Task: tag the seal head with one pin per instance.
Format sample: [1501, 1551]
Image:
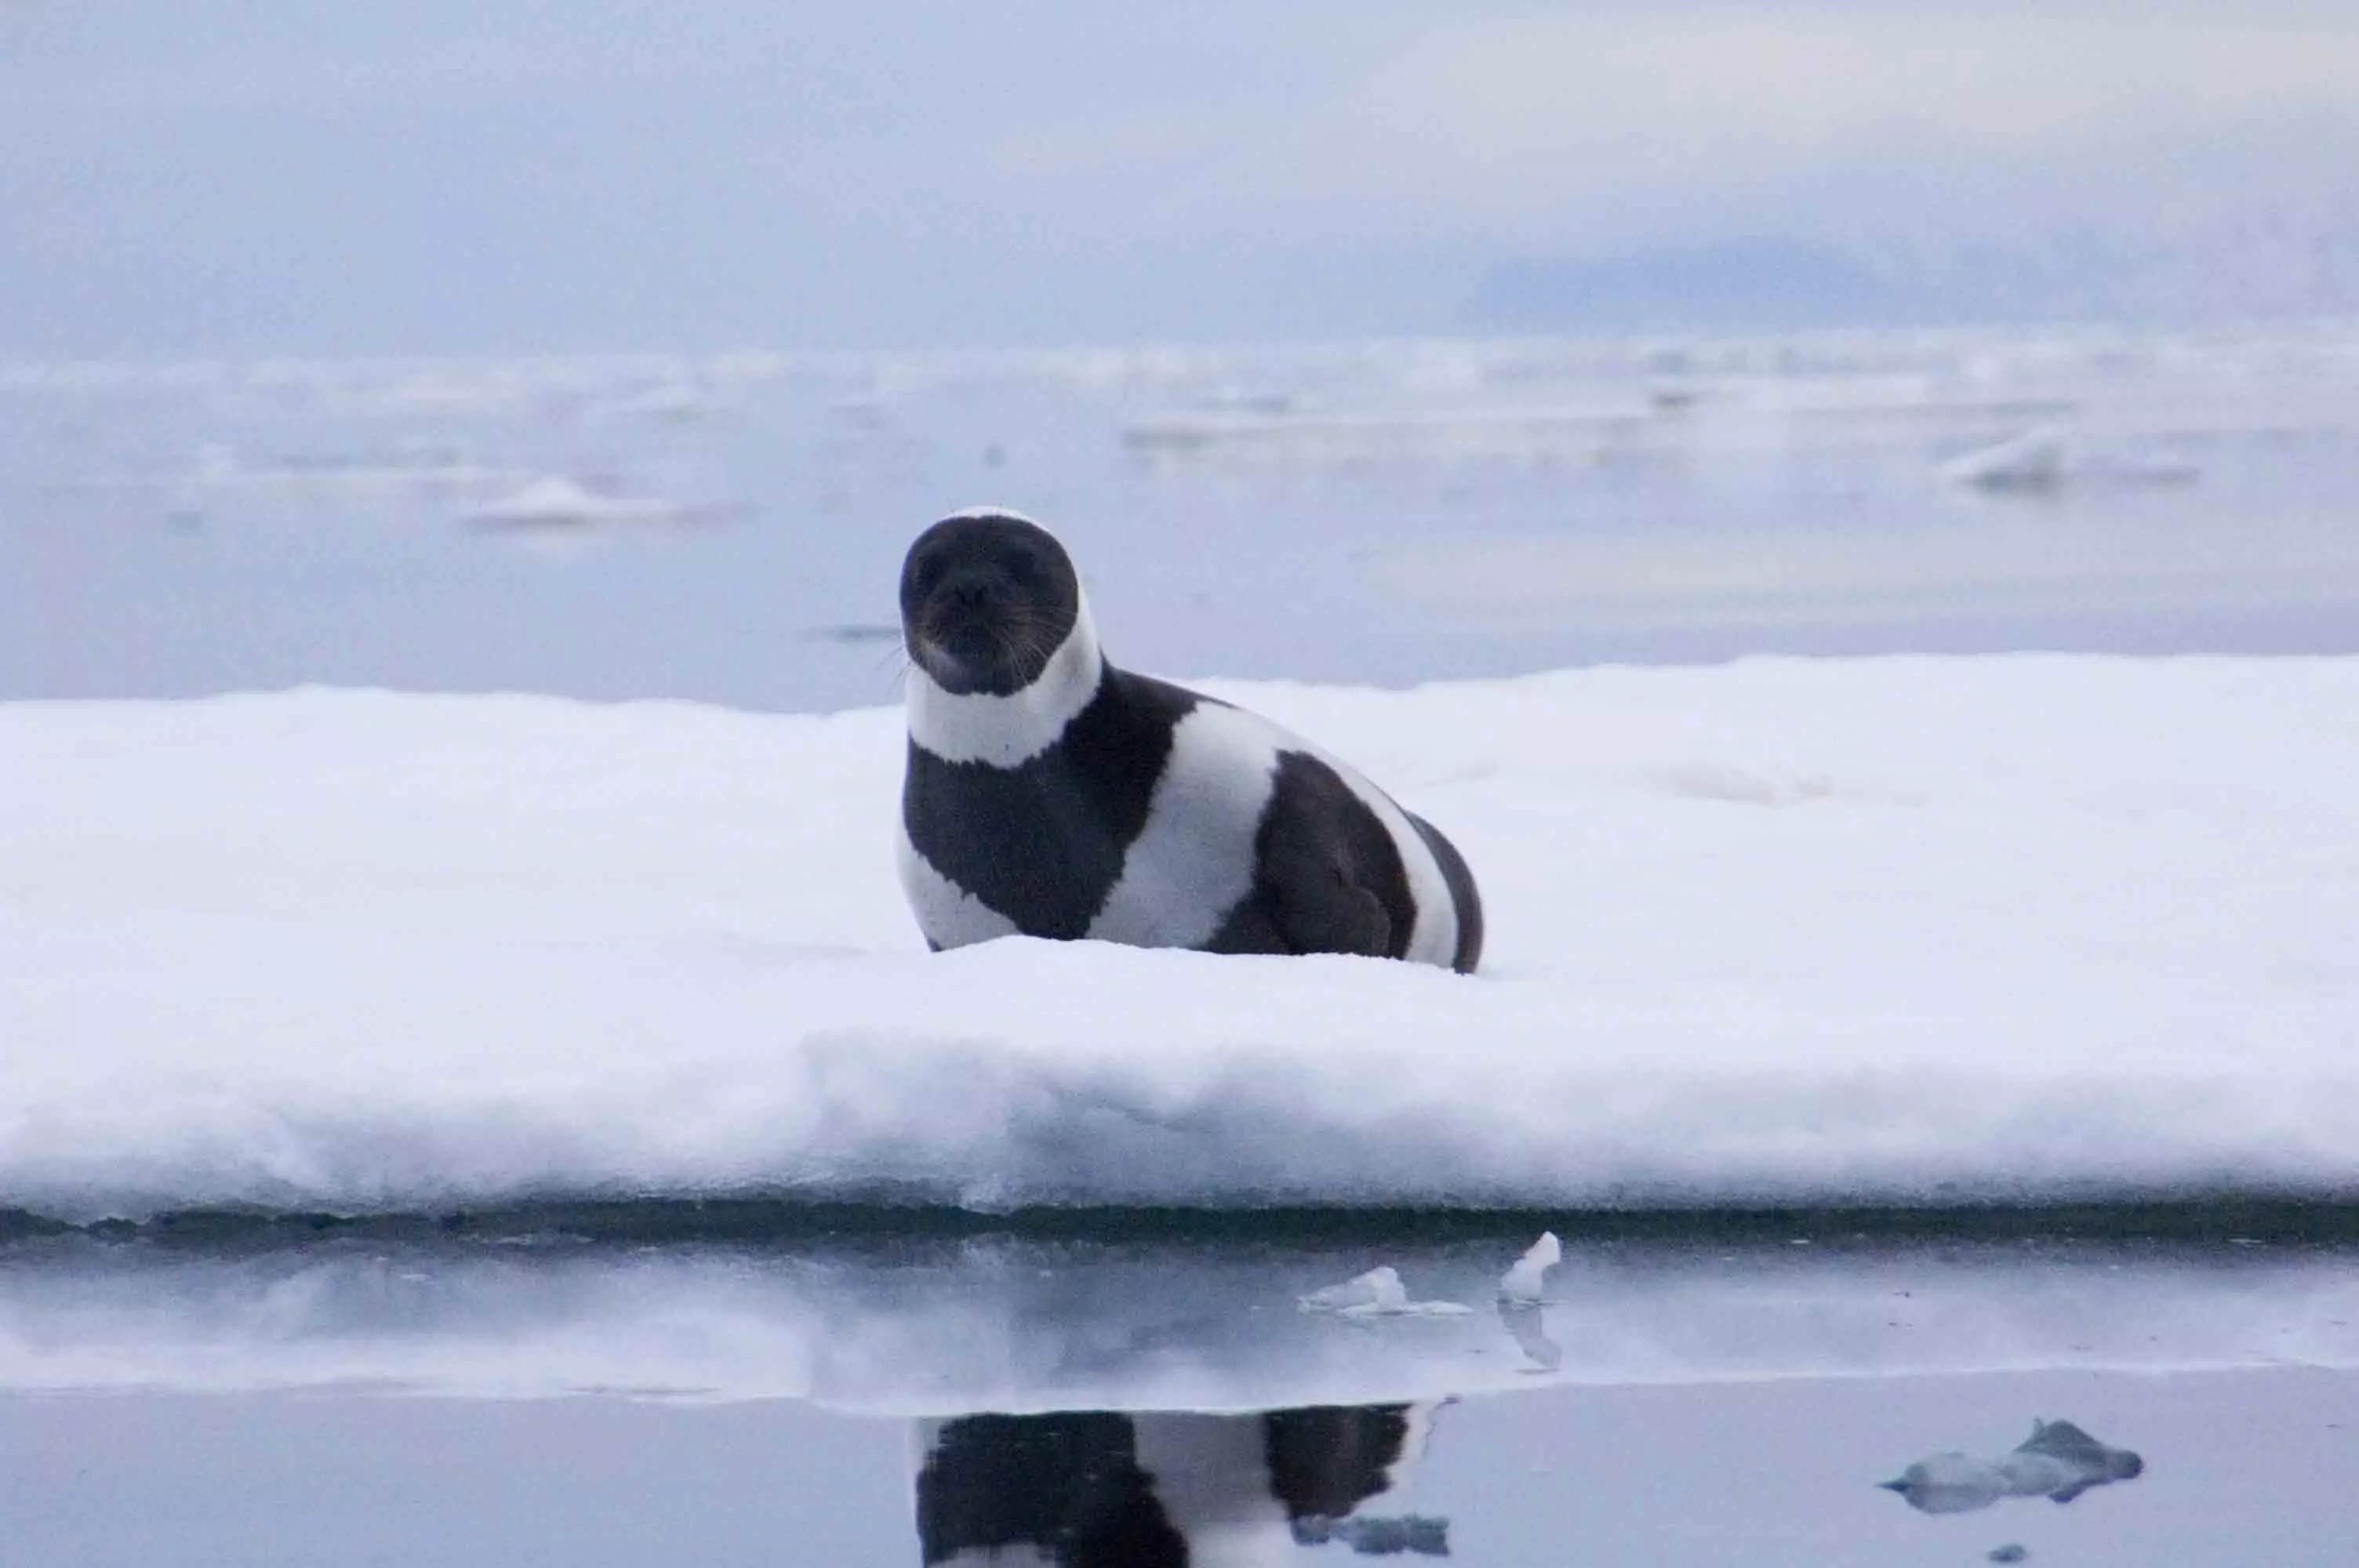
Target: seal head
[986, 599]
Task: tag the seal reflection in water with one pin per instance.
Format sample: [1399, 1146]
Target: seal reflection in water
[1088, 1487]
[1049, 794]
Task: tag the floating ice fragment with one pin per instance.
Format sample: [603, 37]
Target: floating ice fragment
[2057, 1461]
[2035, 460]
[1377, 1294]
[1378, 1286]
[1522, 1282]
[1421, 1534]
[557, 501]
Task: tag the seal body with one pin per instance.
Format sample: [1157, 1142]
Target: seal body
[1049, 794]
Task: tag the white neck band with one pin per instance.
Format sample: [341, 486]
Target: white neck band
[1007, 732]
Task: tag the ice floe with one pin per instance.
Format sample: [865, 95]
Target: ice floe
[1900, 931]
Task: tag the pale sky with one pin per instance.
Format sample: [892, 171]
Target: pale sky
[212, 177]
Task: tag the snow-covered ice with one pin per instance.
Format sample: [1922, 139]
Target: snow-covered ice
[1902, 930]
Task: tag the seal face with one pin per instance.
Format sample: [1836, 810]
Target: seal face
[1051, 794]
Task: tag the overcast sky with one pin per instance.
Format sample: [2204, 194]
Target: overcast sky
[205, 175]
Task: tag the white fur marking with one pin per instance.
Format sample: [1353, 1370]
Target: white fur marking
[1007, 732]
[1195, 858]
[1193, 861]
[947, 915]
[1434, 939]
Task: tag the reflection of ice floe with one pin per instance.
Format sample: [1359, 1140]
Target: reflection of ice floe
[2057, 1461]
[1527, 1324]
[557, 504]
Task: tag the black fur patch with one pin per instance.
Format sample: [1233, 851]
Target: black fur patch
[1043, 843]
[1327, 877]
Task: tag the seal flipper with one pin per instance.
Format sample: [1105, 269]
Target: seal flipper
[1325, 871]
[1322, 908]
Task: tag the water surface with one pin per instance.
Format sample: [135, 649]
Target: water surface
[1376, 512]
[1728, 1393]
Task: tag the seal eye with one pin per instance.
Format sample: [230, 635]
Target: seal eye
[1021, 569]
[928, 573]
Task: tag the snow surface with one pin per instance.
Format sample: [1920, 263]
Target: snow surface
[1899, 930]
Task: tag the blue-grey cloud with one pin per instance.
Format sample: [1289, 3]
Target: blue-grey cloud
[612, 173]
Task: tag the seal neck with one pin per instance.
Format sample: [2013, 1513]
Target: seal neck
[1010, 731]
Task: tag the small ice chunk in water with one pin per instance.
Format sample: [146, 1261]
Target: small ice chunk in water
[1380, 1287]
[1377, 1294]
[2035, 460]
[2057, 1461]
[1522, 1282]
[1378, 1536]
